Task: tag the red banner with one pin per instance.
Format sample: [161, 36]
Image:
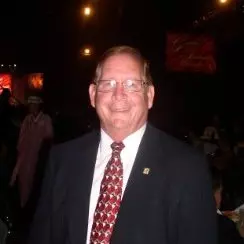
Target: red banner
[5, 82]
[190, 53]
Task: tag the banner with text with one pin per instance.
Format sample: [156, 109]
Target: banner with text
[190, 53]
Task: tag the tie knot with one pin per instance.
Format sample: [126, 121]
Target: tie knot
[117, 147]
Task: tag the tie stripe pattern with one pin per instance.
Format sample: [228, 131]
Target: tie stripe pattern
[109, 199]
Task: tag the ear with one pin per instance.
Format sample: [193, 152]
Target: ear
[92, 94]
[150, 96]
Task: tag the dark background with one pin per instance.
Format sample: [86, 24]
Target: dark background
[46, 36]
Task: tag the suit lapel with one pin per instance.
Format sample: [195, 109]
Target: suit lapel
[143, 158]
[81, 183]
[138, 182]
[143, 162]
[79, 189]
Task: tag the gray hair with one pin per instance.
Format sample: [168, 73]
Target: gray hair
[133, 52]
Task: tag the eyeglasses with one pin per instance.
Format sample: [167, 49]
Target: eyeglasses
[129, 85]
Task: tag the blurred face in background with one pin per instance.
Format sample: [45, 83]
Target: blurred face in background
[34, 108]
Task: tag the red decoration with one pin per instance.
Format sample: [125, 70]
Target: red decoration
[190, 53]
[5, 82]
[36, 81]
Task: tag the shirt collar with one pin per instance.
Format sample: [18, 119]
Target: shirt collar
[219, 212]
[131, 142]
[36, 118]
[105, 143]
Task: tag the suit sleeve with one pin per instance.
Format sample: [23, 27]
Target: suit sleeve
[40, 231]
[227, 231]
[197, 216]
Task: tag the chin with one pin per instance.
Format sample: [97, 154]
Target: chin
[119, 123]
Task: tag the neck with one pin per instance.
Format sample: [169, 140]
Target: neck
[118, 135]
[35, 114]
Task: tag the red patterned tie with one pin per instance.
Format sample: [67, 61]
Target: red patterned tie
[109, 200]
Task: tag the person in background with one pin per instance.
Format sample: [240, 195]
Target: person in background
[227, 230]
[36, 132]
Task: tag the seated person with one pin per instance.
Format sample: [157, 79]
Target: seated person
[227, 231]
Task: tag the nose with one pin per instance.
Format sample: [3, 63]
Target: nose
[119, 91]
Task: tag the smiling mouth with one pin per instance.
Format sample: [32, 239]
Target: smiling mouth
[118, 110]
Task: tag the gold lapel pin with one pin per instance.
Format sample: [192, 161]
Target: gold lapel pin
[146, 171]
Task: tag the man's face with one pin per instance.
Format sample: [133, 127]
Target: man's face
[119, 110]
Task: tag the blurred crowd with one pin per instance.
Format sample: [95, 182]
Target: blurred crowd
[223, 144]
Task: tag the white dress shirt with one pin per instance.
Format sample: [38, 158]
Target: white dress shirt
[219, 212]
[104, 153]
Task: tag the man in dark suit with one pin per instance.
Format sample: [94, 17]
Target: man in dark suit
[129, 183]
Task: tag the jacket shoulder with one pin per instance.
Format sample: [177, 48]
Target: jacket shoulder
[176, 155]
[170, 144]
[72, 150]
[83, 141]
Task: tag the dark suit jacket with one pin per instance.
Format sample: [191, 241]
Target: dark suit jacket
[173, 204]
[227, 231]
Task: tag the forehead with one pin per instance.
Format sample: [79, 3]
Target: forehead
[121, 64]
